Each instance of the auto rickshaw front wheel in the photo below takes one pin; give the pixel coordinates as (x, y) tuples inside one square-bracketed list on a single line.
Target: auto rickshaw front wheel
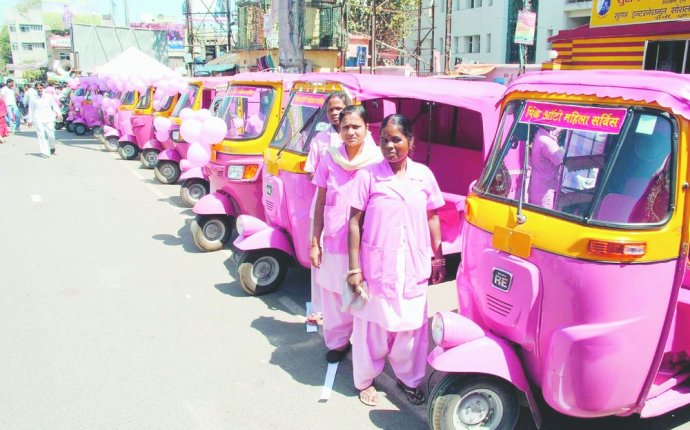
[(262, 271), (192, 190), (463, 402), (69, 125), (128, 150), (80, 129), (211, 232), (112, 144), (167, 172), (149, 158)]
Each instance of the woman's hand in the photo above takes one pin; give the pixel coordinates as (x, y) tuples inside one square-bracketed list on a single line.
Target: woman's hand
[(355, 281), (438, 271), (315, 256)]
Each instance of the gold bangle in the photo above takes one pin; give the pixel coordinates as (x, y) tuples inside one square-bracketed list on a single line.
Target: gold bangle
[(354, 271)]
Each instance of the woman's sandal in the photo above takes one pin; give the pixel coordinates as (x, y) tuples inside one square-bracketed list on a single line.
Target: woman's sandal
[(369, 396), (414, 395)]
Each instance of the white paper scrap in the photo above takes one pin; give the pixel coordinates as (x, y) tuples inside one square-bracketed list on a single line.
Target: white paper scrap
[(328, 383)]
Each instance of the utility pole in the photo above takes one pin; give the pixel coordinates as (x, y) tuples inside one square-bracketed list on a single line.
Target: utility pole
[(449, 20), (126, 14), (291, 44), (433, 36), (419, 37), (526, 6), (190, 36), (373, 37), (229, 23)]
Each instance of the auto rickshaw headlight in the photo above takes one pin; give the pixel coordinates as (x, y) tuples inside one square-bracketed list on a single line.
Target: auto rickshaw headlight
[(239, 225), (449, 329), (235, 172), (242, 172), (175, 135)]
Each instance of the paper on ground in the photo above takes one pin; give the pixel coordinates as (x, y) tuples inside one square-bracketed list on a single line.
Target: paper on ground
[(311, 328), (328, 383)]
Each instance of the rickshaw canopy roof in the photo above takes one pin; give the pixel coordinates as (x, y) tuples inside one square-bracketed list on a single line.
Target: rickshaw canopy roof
[(482, 97), (669, 90), (267, 77)]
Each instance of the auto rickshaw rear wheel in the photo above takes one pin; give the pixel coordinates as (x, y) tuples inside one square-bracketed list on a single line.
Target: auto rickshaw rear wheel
[(149, 158), (262, 271), (167, 172), (70, 126), (111, 144), (192, 190), (128, 150), (211, 232), (80, 129), (463, 402)]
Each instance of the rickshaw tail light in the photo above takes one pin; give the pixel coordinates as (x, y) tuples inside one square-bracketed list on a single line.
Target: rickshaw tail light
[(301, 165), (250, 171), (617, 249)]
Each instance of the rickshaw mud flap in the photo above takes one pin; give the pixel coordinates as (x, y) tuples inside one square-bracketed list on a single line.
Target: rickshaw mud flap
[(194, 172), (267, 238), (153, 144), (127, 138), (215, 204), (487, 355), (169, 155), (109, 131), (663, 338)]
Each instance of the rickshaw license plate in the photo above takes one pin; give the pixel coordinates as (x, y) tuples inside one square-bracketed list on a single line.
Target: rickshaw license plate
[(501, 279), (269, 189), (513, 242)]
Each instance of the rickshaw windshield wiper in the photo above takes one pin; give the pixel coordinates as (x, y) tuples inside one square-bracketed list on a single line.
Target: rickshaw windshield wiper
[(520, 218), (300, 131)]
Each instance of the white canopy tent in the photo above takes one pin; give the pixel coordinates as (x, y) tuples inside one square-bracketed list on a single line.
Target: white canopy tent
[(134, 63)]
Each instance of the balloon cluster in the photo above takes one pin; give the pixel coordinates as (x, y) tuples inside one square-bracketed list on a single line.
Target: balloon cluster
[(201, 129), (162, 127), (109, 105)]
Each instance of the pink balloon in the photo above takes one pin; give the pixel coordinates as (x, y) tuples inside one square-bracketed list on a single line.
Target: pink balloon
[(110, 111), (185, 165), (162, 136), (162, 124), (213, 130), (191, 130), (186, 114), (203, 114), (197, 155)]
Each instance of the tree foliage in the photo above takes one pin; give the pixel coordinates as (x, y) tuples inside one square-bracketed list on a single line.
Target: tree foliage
[(5, 48), (394, 19), (26, 5)]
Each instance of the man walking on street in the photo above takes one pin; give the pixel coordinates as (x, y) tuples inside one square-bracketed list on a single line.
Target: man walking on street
[(10, 97)]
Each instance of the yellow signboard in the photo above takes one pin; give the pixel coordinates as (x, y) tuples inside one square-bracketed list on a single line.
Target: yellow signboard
[(624, 12)]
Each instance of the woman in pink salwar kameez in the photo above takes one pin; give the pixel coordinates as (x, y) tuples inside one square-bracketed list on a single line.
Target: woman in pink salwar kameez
[(394, 249), (333, 179), (4, 131)]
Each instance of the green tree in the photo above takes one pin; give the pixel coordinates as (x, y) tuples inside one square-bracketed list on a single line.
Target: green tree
[(5, 49), (394, 19), (26, 5)]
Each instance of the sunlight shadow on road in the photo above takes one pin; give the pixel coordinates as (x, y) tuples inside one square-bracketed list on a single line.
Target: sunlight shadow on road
[(184, 238)]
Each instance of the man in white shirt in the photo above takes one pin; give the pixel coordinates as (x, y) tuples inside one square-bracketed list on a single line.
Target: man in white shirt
[(10, 97)]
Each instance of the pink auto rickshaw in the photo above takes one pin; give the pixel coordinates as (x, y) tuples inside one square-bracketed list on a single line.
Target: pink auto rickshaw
[(253, 104), (201, 92), (86, 117), (453, 123), (574, 252), (76, 99), (122, 131)]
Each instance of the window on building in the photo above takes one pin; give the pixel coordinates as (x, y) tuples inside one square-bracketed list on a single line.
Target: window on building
[(64, 56), (471, 4), (13, 28), (472, 44), (670, 56), (488, 42), (27, 46), (456, 44), (457, 4), (489, 2), (24, 28), (35, 27), (15, 47)]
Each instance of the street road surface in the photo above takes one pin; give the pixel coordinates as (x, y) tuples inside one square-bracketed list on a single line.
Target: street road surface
[(111, 319)]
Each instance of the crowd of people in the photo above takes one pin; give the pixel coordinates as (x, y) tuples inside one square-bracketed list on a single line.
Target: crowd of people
[(35, 105), (375, 246)]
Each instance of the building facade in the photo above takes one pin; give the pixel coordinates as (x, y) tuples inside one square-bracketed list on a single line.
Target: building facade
[(28, 41), (482, 31)]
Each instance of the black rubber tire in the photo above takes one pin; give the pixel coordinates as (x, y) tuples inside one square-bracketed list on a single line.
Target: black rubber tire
[(212, 232), (149, 158), (69, 125), (250, 261), (97, 131), (112, 144), (80, 129), (128, 150), (59, 125), (446, 396), (192, 190), (167, 172)]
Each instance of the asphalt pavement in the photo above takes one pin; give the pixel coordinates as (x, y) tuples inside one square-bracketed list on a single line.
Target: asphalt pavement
[(110, 318)]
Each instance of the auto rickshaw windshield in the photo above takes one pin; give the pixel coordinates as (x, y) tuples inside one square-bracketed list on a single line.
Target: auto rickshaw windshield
[(598, 165), (145, 100), (247, 111), (186, 100), (127, 98), (303, 116)]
